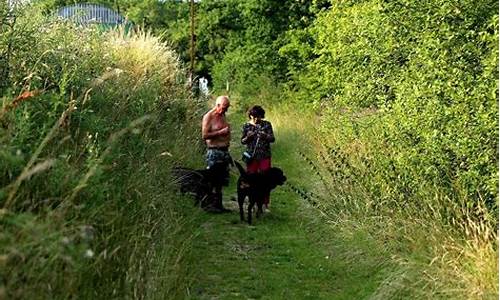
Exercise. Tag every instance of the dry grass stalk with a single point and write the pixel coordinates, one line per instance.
(27, 169)
(38, 168)
(111, 142)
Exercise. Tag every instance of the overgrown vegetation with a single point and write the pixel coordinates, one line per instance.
(431, 87)
(89, 124)
(403, 96)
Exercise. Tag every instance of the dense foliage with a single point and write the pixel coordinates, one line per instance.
(407, 97)
(428, 70)
(89, 121)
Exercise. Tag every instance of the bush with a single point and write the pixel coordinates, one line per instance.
(429, 69)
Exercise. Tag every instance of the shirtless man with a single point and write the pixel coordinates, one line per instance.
(216, 132)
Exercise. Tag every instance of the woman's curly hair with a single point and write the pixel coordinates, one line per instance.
(256, 111)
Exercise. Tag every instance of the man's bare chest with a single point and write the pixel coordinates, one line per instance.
(218, 123)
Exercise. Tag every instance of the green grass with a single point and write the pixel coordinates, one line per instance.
(289, 253)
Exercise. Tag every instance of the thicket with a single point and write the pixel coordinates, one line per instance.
(407, 97)
(90, 126)
(428, 71)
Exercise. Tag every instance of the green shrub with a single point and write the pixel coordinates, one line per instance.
(429, 69)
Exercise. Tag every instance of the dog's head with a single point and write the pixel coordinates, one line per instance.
(272, 177)
(276, 177)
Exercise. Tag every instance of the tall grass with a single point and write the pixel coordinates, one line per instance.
(440, 245)
(87, 207)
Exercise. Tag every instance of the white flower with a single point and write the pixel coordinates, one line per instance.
(89, 253)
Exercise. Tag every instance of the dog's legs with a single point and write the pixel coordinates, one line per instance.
(241, 200)
(251, 203)
(259, 209)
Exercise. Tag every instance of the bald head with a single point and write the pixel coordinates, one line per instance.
(222, 100)
(222, 104)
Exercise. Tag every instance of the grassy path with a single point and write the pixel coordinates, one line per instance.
(283, 256)
(291, 253)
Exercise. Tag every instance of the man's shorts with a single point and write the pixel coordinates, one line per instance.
(221, 158)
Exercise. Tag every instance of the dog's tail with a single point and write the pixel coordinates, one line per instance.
(240, 168)
(180, 174)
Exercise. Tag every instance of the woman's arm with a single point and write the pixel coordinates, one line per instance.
(269, 134)
(247, 135)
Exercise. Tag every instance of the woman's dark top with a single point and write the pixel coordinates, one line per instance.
(259, 147)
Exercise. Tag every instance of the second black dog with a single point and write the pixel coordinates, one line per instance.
(255, 186)
(199, 183)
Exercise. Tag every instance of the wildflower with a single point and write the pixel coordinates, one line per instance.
(166, 153)
(89, 253)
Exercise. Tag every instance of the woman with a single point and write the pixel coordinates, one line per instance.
(257, 136)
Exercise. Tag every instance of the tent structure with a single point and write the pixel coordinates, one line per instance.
(88, 13)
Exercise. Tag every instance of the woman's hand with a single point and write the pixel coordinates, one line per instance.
(262, 135)
(250, 134)
(248, 137)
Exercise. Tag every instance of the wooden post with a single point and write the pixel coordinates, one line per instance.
(192, 45)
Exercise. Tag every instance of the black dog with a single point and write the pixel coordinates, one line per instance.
(199, 183)
(256, 186)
